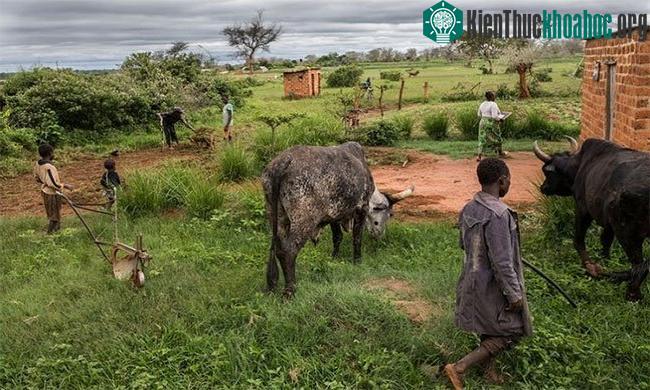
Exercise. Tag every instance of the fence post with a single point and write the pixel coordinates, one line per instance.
(401, 91)
(381, 97)
(426, 90)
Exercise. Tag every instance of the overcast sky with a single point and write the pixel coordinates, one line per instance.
(94, 34)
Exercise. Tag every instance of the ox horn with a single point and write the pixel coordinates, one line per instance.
(392, 199)
(574, 144)
(540, 153)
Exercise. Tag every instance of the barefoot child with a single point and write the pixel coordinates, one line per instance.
(227, 113)
(110, 181)
(48, 176)
(490, 296)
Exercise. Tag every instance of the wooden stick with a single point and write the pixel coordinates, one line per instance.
(401, 92)
(426, 90)
(381, 97)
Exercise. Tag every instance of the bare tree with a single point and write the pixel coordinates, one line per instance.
(251, 37)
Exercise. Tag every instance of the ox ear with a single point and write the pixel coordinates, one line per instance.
(392, 199)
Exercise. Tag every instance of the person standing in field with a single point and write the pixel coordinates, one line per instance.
(47, 176)
(491, 295)
(489, 132)
(227, 112)
(110, 182)
(168, 121)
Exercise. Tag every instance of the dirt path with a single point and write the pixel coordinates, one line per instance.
(20, 195)
(443, 185)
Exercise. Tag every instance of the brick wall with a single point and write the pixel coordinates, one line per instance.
(302, 83)
(631, 123)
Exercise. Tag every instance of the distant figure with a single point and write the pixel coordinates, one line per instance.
(110, 181)
(47, 175)
(167, 122)
(227, 112)
(367, 86)
(489, 132)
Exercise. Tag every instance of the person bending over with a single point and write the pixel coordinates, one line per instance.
(168, 121)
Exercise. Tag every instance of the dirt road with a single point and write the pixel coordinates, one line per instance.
(442, 185)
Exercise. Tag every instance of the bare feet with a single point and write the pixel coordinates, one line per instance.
(454, 377)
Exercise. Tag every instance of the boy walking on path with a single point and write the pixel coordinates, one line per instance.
(491, 295)
(48, 176)
(227, 112)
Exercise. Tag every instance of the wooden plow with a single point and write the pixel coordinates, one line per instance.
(127, 262)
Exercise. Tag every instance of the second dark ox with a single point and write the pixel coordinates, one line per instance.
(610, 185)
(307, 188)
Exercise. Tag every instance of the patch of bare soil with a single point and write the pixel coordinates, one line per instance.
(443, 185)
(404, 297)
(21, 195)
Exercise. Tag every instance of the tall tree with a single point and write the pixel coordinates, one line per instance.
(483, 47)
(521, 57)
(251, 37)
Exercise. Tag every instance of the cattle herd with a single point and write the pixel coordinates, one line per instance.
(307, 188)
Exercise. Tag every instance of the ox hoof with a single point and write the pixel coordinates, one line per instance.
(593, 269)
(288, 293)
(633, 295)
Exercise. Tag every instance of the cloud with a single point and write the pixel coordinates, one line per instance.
(95, 34)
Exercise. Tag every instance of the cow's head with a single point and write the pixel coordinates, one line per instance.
(559, 169)
(381, 209)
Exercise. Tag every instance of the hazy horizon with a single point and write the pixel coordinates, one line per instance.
(99, 35)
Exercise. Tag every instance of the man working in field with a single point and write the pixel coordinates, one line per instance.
(48, 177)
(227, 112)
(167, 122)
(491, 296)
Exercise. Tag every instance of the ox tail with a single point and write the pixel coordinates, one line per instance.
(275, 199)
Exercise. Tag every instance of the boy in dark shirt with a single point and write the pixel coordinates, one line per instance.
(490, 296)
(110, 181)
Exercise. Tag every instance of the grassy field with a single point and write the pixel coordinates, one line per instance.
(202, 320)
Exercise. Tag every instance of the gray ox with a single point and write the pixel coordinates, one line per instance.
(309, 187)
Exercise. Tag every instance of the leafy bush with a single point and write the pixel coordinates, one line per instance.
(317, 130)
(391, 75)
(345, 76)
(404, 124)
(467, 122)
(461, 93)
(535, 125)
(13, 141)
(436, 125)
(380, 133)
(173, 186)
(543, 75)
(503, 92)
(235, 164)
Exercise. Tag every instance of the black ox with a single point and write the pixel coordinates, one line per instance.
(610, 185)
(309, 187)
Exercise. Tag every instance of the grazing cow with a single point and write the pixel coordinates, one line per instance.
(309, 187)
(610, 185)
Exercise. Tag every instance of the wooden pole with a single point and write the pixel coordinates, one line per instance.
(381, 97)
(426, 90)
(401, 92)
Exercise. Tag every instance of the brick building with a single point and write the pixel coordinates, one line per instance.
(616, 91)
(302, 83)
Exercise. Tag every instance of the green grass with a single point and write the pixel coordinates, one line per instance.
(466, 149)
(202, 321)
